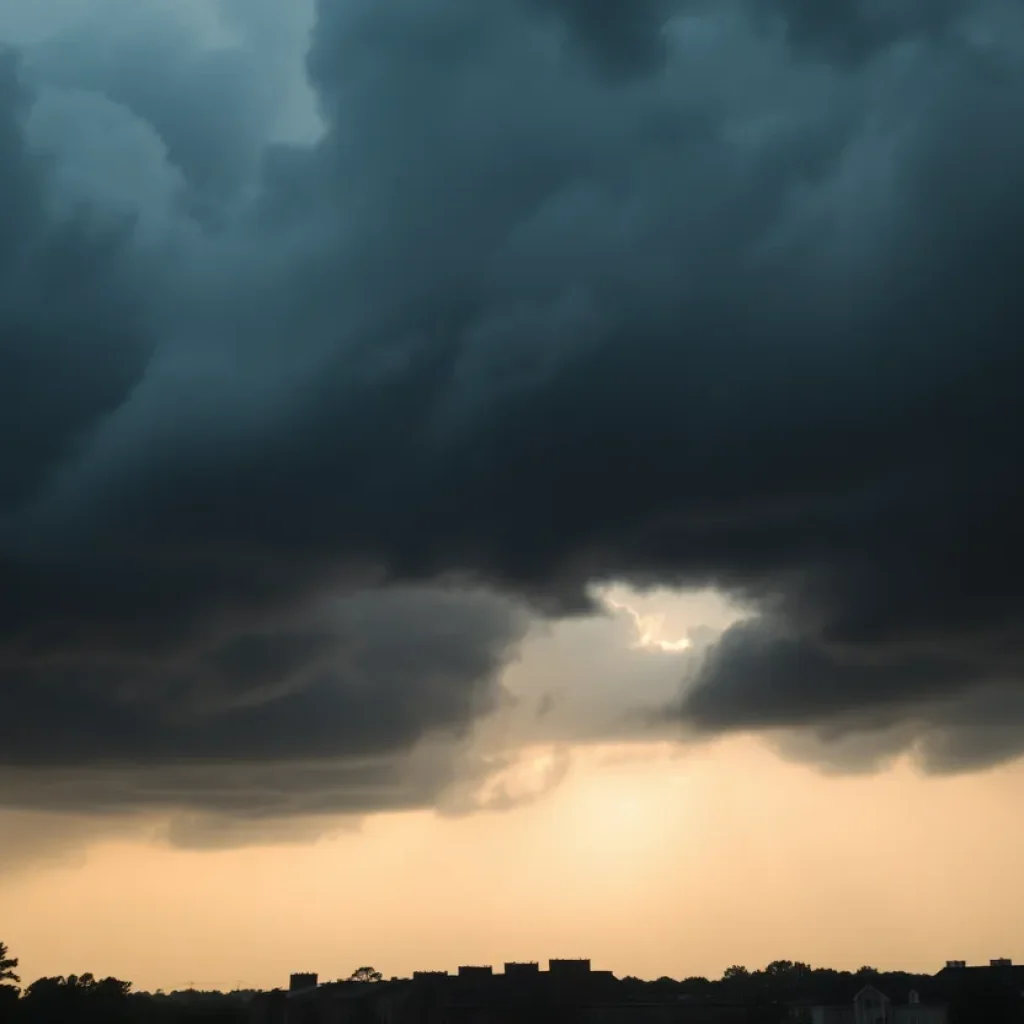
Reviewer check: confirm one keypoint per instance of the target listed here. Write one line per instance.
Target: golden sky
(649, 857)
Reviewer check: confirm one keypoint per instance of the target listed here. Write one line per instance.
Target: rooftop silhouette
(566, 991)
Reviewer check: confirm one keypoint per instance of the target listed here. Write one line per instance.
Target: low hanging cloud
(344, 711)
(539, 295)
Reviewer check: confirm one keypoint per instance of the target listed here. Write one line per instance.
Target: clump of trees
(775, 993)
(780, 982)
(366, 974)
(85, 999)
(74, 998)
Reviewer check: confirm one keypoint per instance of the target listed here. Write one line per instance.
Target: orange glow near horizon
(649, 861)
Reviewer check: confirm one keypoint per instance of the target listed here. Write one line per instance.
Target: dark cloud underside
(665, 292)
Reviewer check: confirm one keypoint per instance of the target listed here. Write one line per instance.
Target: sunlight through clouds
(649, 628)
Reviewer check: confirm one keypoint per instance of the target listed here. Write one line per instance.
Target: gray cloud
(364, 704)
(620, 39)
(861, 705)
(700, 297)
(964, 732)
(852, 31)
(770, 677)
(34, 839)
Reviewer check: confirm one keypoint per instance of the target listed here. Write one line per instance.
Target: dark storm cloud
(208, 106)
(366, 675)
(858, 706)
(59, 285)
(768, 678)
(719, 306)
(361, 705)
(621, 37)
(854, 30)
(964, 731)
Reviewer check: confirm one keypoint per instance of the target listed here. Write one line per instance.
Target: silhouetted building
(475, 972)
(998, 967)
(570, 992)
(872, 1006)
(350, 1002)
(992, 993)
(302, 980)
(569, 969)
(522, 971)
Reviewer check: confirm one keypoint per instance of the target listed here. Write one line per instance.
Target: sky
(509, 480)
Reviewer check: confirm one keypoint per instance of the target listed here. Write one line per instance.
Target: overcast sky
(403, 401)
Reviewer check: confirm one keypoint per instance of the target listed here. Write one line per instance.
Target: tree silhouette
(78, 998)
(7, 965)
(786, 979)
(735, 972)
(366, 974)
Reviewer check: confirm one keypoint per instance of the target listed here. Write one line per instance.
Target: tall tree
(365, 974)
(7, 965)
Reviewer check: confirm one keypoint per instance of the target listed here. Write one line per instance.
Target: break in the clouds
(537, 296)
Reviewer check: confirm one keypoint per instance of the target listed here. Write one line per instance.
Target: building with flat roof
(469, 971)
(530, 969)
(569, 968)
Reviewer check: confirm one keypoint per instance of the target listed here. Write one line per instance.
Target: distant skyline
(485, 479)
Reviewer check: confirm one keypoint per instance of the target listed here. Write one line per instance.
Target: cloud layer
(668, 292)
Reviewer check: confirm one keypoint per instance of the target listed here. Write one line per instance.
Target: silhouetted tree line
(782, 981)
(84, 999)
(987, 997)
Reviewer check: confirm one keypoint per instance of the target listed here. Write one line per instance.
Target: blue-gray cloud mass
(666, 292)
